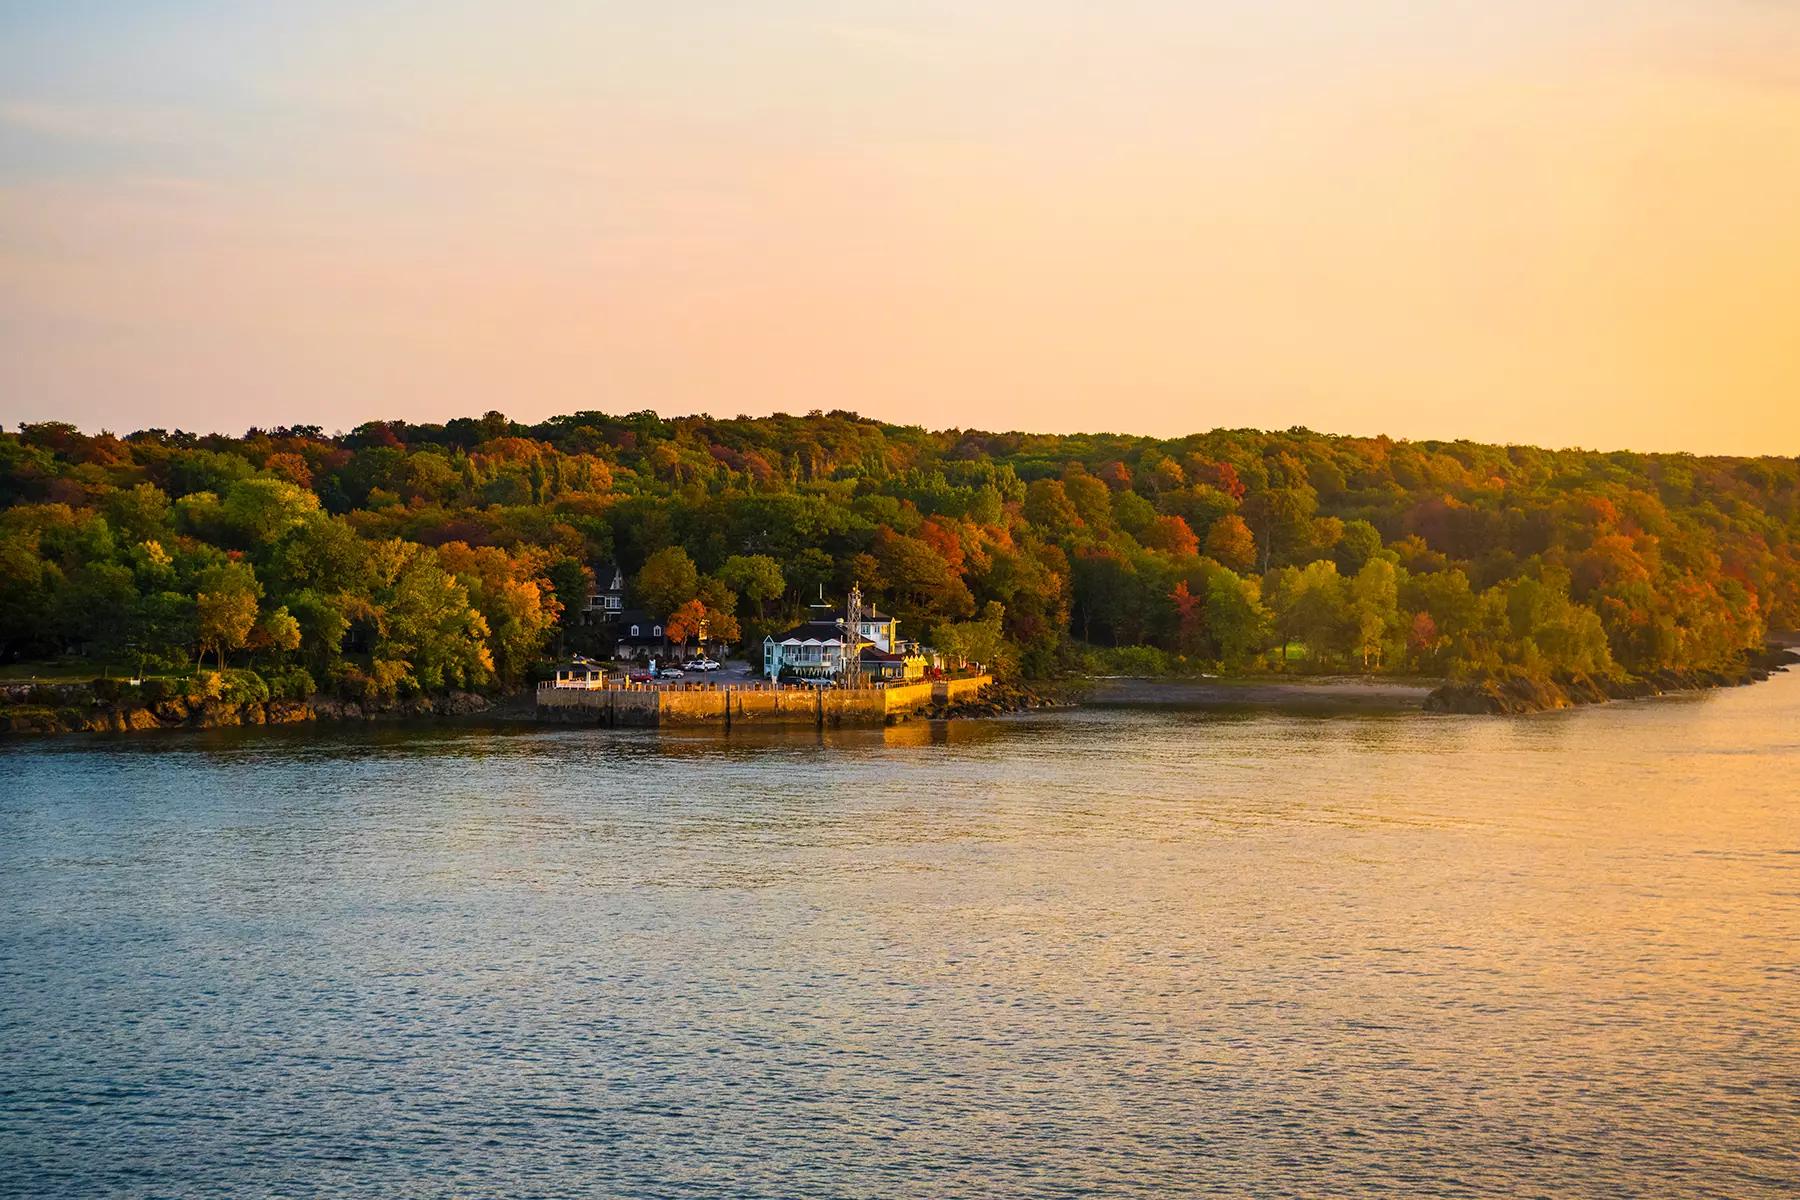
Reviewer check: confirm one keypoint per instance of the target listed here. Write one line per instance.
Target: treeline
(408, 557)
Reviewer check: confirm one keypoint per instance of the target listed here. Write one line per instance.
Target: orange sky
(1485, 220)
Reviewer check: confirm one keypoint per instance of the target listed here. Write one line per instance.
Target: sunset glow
(1486, 220)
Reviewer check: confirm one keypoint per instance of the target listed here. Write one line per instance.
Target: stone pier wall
(725, 707)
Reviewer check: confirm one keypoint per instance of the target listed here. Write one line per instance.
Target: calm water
(1114, 953)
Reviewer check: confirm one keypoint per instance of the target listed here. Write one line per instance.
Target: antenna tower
(853, 615)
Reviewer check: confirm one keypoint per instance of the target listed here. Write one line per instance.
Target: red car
(642, 676)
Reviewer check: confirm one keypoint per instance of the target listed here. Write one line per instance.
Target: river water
(1110, 952)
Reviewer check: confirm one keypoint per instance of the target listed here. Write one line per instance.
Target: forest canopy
(402, 557)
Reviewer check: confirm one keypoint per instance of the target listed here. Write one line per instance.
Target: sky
(1506, 220)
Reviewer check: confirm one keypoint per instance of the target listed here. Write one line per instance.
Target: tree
(166, 629)
(688, 621)
(1135, 515)
(1190, 620)
(1231, 543)
(515, 600)
(141, 512)
(1357, 544)
(1047, 506)
(721, 610)
(756, 577)
(981, 641)
(668, 580)
(323, 554)
(26, 596)
(922, 587)
(1375, 609)
(1311, 606)
(257, 512)
(323, 624)
(278, 631)
(570, 579)
(223, 621)
(96, 604)
(428, 631)
(1236, 616)
(1172, 536)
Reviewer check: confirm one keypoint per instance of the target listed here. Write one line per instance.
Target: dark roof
(817, 630)
(640, 618)
(604, 573)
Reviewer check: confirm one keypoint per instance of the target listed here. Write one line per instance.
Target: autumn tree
(223, 621)
(1230, 542)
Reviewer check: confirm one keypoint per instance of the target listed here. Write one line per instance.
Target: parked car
(644, 676)
(701, 664)
(671, 673)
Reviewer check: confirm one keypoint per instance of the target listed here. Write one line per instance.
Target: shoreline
(72, 708)
(1320, 692)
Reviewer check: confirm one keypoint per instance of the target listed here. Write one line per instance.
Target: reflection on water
(1106, 952)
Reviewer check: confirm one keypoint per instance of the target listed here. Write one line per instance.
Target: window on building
(634, 631)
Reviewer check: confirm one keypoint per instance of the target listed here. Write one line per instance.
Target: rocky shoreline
(1517, 695)
(999, 699)
(74, 708)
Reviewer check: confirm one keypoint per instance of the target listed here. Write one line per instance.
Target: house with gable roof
(819, 647)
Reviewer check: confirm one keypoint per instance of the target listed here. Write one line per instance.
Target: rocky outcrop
(1004, 697)
(73, 708)
(1513, 695)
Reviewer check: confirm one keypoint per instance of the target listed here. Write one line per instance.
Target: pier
(724, 705)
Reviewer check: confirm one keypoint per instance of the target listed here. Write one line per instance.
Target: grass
(75, 670)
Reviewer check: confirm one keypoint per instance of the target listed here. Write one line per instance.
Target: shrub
(353, 684)
(204, 685)
(289, 683)
(105, 690)
(155, 691)
(1139, 660)
(242, 687)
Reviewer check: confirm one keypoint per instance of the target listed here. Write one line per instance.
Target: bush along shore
(1519, 693)
(209, 700)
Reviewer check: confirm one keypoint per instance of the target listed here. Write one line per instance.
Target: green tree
(1375, 611)
(257, 512)
(140, 512)
(278, 631)
(1236, 617)
(1359, 542)
(668, 580)
(756, 577)
(429, 631)
(1047, 506)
